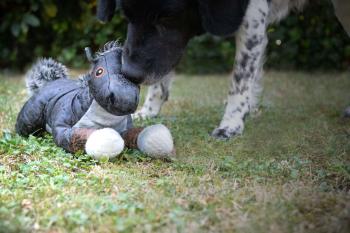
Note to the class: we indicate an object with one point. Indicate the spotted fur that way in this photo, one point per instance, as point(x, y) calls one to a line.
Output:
point(157, 95)
point(251, 41)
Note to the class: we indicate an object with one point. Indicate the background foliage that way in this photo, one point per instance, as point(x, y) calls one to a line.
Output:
point(36, 28)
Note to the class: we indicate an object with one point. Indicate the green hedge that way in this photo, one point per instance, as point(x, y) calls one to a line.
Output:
point(61, 29)
point(35, 28)
point(310, 40)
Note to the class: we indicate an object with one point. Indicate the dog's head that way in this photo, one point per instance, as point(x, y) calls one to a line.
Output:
point(159, 30)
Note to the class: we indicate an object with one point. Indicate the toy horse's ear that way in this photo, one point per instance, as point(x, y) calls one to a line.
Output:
point(106, 9)
point(88, 54)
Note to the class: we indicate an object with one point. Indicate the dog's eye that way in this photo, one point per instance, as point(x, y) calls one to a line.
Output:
point(99, 72)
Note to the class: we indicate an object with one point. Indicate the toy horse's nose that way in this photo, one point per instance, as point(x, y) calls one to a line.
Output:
point(115, 93)
point(123, 98)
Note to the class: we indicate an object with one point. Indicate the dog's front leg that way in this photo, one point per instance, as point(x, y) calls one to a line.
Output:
point(157, 95)
point(251, 42)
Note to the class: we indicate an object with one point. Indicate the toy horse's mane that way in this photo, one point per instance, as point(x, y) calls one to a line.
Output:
point(108, 47)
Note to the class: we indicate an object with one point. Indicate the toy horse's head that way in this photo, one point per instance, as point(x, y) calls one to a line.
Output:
point(107, 84)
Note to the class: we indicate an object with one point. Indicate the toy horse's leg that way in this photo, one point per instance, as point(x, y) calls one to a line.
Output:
point(70, 139)
point(97, 143)
point(31, 120)
point(76, 139)
point(157, 95)
point(155, 140)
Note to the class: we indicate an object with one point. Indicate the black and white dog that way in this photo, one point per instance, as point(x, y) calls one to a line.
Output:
point(159, 30)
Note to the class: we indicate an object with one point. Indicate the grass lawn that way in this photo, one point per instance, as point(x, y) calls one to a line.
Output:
point(289, 172)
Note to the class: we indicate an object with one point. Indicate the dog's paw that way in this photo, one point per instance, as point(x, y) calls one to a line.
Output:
point(226, 132)
point(347, 112)
point(143, 114)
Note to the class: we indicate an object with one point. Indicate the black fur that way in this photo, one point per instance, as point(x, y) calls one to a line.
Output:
point(159, 30)
point(105, 9)
point(222, 17)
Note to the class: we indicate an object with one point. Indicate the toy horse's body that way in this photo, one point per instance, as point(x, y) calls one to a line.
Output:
point(72, 110)
point(63, 106)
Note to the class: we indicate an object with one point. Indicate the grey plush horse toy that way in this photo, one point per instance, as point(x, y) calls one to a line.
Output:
point(91, 114)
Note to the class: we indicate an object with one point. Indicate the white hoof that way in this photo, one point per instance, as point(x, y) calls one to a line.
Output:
point(104, 143)
point(156, 141)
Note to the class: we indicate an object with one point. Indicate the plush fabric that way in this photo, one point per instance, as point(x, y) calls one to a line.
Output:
point(104, 98)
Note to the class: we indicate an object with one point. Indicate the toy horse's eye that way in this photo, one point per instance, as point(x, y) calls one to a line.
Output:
point(99, 72)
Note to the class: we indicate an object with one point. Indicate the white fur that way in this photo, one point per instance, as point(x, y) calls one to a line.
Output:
point(247, 71)
point(104, 143)
point(157, 95)
point(280, 8)
point(156, 141)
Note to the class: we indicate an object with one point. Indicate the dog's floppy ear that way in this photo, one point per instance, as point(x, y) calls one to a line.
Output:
point(222, 17)
point(106, 9)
